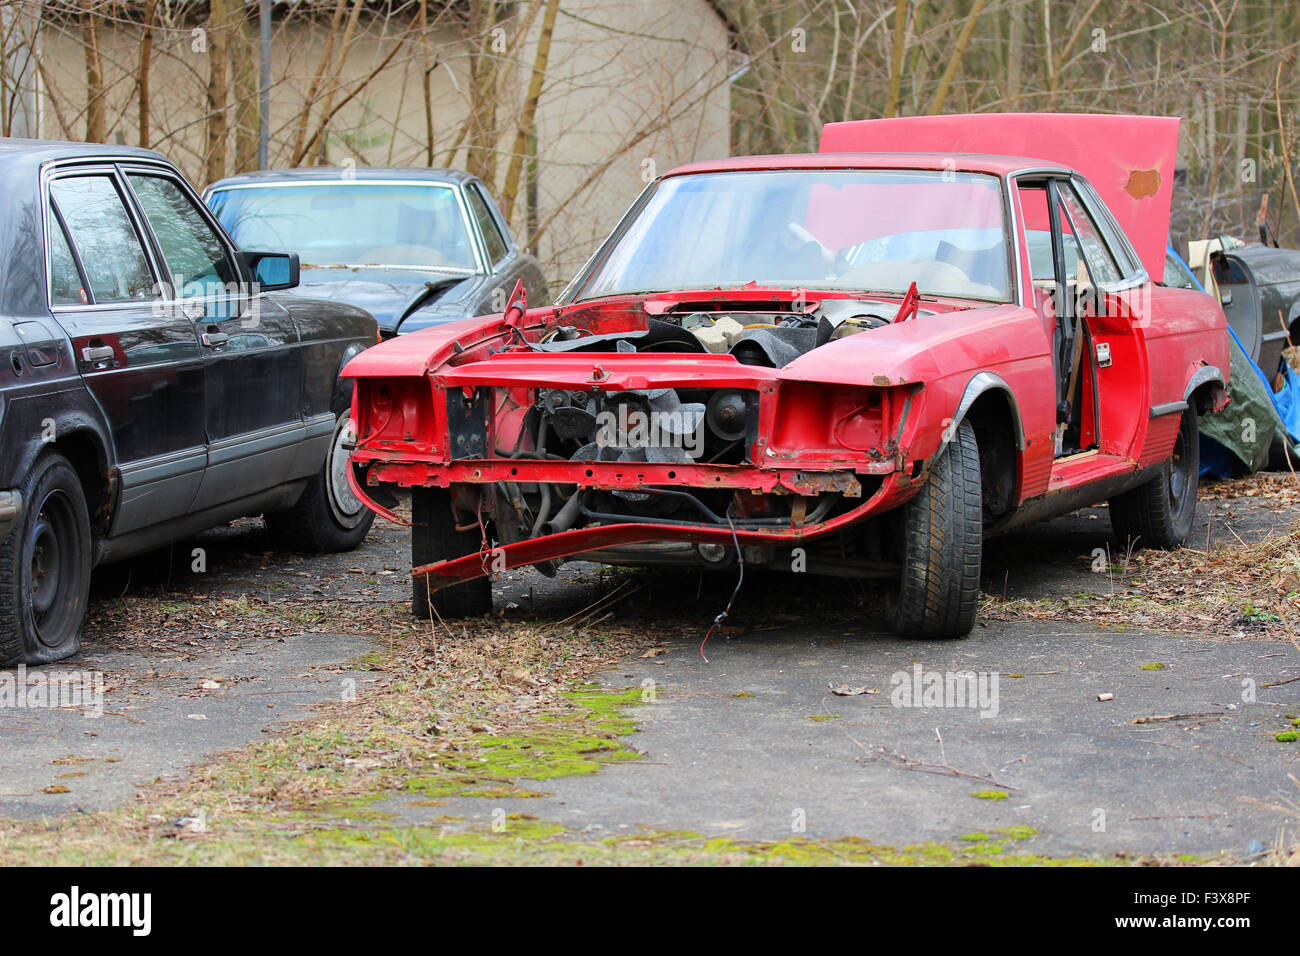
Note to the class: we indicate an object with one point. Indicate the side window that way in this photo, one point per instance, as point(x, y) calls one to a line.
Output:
point(1038, 232)
point(106, 240)
point(1092, 248)
point(1115, 238)
point(496, 243)
point(1176, 274)
point(65, 279)
point(195, 255)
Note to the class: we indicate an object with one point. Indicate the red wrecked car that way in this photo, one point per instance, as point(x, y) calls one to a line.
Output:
point(855, 362)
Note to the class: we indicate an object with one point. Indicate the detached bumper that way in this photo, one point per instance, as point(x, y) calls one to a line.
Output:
point(11, 509)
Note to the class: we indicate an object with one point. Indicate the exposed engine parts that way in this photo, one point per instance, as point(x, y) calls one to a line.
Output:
point(656, 425)
point(659, 426)
point(773, 339)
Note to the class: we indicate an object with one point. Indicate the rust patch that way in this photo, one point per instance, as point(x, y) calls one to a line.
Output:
point(1142, 183)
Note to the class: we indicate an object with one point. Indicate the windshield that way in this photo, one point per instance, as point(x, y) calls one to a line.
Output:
point(350, 223)
point(862, 230)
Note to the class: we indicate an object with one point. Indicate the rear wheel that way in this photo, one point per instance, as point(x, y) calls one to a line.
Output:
point(941, 542)
point(45, 568)
point(434, 537)
point(1160, 513)
point(328, 516)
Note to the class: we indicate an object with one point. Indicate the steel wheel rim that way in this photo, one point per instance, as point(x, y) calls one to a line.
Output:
point(54, 570)
point(1179, 480)
point(345, 505)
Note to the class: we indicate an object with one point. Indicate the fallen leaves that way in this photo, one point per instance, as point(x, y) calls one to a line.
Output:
point(1233, 590)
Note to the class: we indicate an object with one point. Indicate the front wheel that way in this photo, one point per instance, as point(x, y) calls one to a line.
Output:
point(435, 537)
point(1160, 513)
point(328, 516)
point(941, 543)
point(45, 568)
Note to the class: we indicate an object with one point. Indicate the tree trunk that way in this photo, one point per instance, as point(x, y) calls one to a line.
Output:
point(146, 64)
point(218, 89)
point(427, 74)
point(96, 122)
point(243, 60)
point(896, 61)
point(954, 60)
point(527, 120)
point(480, 152)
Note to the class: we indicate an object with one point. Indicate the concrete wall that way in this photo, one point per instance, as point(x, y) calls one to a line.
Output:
point(633, 87)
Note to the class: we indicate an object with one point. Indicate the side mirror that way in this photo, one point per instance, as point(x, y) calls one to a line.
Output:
point(272, 271)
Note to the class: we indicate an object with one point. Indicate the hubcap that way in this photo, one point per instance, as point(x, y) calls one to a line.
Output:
point(346, 506)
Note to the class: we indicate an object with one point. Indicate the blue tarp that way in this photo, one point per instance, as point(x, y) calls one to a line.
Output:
point(1287, 403)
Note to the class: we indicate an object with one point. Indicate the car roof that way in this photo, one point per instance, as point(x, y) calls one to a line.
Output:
point(335, 173)
point(964, 162)
point(48, 150)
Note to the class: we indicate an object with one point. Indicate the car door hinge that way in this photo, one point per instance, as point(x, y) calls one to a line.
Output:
point(1103, 355)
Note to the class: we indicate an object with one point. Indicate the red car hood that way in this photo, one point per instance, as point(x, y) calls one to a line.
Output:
point(1128, 159)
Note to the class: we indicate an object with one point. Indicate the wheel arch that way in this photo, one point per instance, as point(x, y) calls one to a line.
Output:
point(85, 451)
point(341, 398)
point(1202, 387)
point(990, 406)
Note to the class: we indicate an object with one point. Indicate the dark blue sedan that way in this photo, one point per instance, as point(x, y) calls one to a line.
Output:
point(414, 247)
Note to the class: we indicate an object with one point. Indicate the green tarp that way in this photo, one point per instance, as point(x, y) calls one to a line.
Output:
point(1250, 424)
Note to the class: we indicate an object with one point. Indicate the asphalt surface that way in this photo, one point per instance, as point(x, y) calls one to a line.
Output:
point(752, 744)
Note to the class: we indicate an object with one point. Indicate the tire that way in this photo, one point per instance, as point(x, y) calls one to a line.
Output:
point(45, 567)
point(328, 517)
point(1161, 512)
point(941, 543)
point(434, 537)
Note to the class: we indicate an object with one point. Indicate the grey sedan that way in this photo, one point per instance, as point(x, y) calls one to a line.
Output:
point(414, 247)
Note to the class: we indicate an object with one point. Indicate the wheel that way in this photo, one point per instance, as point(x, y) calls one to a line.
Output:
point(1161, 512)
point(45, 568)
point(434, 537)
point(940, 546)
point(328, 516)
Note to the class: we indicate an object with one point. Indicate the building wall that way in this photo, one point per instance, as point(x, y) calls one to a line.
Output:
point(633, 87)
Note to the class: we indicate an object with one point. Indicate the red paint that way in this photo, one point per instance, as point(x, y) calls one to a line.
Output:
point(1128, 159)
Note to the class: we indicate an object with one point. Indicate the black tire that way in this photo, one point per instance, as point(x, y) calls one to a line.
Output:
point(328, 517)
point(45, 567)
point(434, 537)
point(941, 543)
point(1161, 512)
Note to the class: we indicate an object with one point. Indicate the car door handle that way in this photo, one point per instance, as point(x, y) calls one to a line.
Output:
point(97, 353)
point(213, 338)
